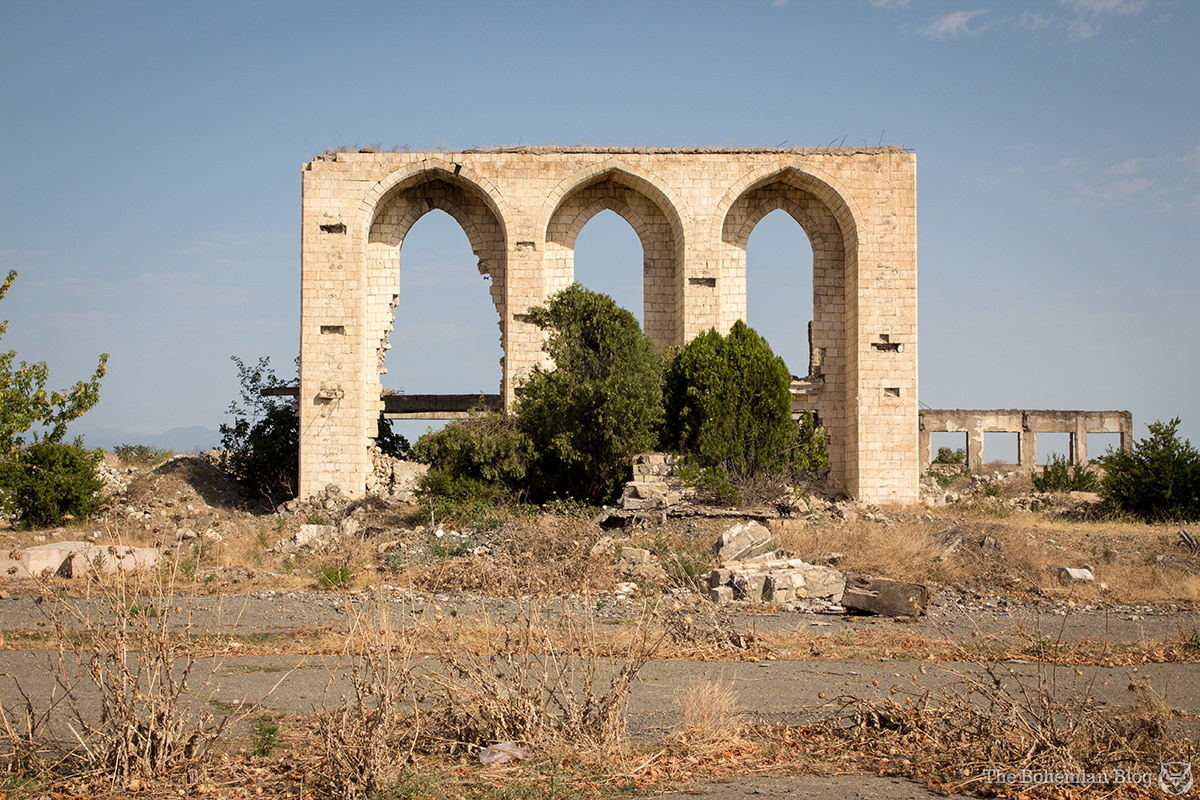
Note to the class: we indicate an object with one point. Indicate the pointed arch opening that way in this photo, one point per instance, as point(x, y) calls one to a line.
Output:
point(657, 227)
point(779, 287)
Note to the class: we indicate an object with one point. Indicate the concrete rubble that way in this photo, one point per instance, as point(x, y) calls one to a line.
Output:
point(76, 559)
point(866, 594)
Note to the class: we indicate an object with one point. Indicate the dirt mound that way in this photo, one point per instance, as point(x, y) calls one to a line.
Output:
point(187, 479)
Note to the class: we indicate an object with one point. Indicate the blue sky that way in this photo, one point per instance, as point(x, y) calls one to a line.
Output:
point(151, 192)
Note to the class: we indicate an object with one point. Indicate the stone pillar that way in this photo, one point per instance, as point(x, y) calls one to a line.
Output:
point(975, 449)
point(1079, 441)
point(926, 445)
point(1027, 445)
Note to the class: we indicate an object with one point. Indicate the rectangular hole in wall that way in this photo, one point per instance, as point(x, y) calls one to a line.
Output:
point(891, 391)
point(334, 227)
point(1053, 444)
point(948, 446)
point(710, 282)
point(1001, 448)
point(338, 329)
point(886, 344)
point(1100, 443)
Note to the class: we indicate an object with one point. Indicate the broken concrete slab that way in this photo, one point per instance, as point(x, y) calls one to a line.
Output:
point(742, 541)
point(1076, 575)
point(866, 594)
point(75, 559)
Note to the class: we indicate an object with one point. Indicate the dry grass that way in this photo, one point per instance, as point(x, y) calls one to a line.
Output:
point(954, 736)
point(123, 702)
point(709, 721)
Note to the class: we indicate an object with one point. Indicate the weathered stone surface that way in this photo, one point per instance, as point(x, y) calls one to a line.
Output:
point(870, 595)
point(74, 559)
point(315, 535)
point(749, 587)
point(1074, 575)
point(720, 594)
point(742, 541)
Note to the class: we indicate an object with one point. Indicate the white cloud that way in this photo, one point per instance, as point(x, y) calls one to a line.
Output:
point(1088, 13)
point(1033, 21)
point(780, 3)
point(1192, 160)
point(890, 5)
point(953, 25)
point(1127, 167)
point(1126, 7)
point(1117, 190)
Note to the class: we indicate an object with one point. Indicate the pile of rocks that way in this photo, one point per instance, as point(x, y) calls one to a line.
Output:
point(654, 484)
point(392, 478)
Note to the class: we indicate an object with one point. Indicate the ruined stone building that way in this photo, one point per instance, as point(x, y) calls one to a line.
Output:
point(693, 211)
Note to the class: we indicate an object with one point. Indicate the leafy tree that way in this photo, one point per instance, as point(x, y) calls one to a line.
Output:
point(728, 402)
point(261, 449)
point(44, 481)
point(948, 455)
point(25, 404)
point(1158, 479)
point(598, 406)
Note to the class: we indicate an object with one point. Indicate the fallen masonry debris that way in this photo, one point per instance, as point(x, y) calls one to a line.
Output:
point(866, 594)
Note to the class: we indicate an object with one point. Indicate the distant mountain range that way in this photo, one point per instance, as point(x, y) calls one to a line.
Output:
point(193, 439)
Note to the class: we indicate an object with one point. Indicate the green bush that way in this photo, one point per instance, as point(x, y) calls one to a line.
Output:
point(1060, 475)
point(728, 401)
point(1159, 479)
point(482, 458)
point(947, 455)
point(600, 405)
point(47, 481)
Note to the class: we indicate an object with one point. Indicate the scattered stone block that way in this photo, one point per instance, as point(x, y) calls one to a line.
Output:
point(866, 594)
point(1073, 575)
point(315, 535)
point(742, 541)
point(824, 582)
point(720, 594)
point(75, 559)
point(749, 587)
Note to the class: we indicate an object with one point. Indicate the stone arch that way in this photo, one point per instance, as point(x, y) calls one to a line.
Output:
point(654, 218)
point(398, 204)
point(828, 221)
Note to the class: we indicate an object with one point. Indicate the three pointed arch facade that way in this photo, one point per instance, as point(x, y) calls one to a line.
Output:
point(692, 210)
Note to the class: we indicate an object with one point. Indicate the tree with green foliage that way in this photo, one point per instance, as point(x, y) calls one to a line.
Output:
point(1159, 479)
point(598, 406)
point(44, 481)
point(261, 448)
point(950, 455)
point(25, 405)
point(728, 403)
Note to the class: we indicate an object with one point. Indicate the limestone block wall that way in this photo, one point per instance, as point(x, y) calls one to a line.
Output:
point(693, 211)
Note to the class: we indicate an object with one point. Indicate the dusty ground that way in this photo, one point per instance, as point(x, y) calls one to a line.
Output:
point(274, 614)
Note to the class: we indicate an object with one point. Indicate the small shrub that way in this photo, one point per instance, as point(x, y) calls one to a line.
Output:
point(1158, 479)
point(265, 738)
point(47, 482)
point(334, 576)
point(1060, 475)
point(141, 455)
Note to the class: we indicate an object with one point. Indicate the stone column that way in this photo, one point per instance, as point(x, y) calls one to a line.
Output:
point(1027, 445)
point(975, 449)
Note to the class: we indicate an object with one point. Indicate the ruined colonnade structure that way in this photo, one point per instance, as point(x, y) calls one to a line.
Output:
point(692, 209)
